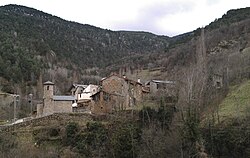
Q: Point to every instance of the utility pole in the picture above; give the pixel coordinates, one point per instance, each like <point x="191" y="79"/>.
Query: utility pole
<point x="15" y="101"/>
<point x="31" y="103"/>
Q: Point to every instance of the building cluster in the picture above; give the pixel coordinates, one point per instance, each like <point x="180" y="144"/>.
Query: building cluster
<point x="113" y="93"/>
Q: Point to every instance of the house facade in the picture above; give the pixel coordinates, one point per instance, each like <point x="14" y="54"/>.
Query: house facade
<point x="160" y="85"/>
<point x="117" y="93"/>
<point x="84" y="98"/>
<point x="87" y="93"/>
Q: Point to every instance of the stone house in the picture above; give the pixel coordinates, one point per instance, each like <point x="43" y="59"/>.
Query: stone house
<point x="84" y="98"/>
<point x="102" y="103"/>
<point x="163" y="89"/>
<point x="75" y="89"/>
<point x="87" y="93"/>
<point x="117" y="93"/>
<point x="52" y="103"/>
<point x="160" y="85"/>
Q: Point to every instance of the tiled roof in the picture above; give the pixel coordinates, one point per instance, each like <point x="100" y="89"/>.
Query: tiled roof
<point x="63" y="98"/>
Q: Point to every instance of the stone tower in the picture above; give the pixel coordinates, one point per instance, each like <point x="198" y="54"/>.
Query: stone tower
<point x="48" y="92"/>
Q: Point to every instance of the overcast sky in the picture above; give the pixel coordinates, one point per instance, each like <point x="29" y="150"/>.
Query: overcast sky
<point x="162" y="17"/>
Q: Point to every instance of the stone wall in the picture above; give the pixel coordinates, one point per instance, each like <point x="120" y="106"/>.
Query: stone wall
<point x="57" y="118"/>
<point x="153" y="87"/>
<point x="39" y="108"/>
<point x="118" y="88"/>
<point x="102" y="107"/>
<point x="62" y="106"/>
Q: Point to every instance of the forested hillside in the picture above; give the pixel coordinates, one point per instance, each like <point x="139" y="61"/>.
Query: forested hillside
<point x="33" y="41"/>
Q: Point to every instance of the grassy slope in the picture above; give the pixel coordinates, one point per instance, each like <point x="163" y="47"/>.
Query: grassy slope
<point x="236" y="106"/>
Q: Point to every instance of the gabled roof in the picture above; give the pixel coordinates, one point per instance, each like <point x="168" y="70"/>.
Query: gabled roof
<point x="124" y="78"/>
<point x="63" y="98"/>
<point x="165" y="82"/>
<point x="160" y="81"/>
<point x="48" y="83"/>
<point x="80" y="85"/>
<point x="77" y="85"/>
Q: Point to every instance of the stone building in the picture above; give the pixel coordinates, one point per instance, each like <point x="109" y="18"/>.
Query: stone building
<point x="102" y="103"/>
<point x="117" y="93"/>
<point x="52" y="103"/>
<point x="76" y="89"/>
<point x="159" y="85"/>
<point x="83" y="98"/>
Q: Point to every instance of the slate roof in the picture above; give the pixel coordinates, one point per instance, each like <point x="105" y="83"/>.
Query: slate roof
<point x="63" y="98"/>
<point x="124" y="78"/>
<point x="74" y="86"/>
<point x="80" y="85"/>
<point x="48" y="83"/>
<point x="166" y="82"/>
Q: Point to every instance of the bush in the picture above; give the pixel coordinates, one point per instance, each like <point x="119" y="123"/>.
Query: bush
<point x="7" y="142"/>
<point x="93" y="138"/>
<point x="72" y="130"/>
<point x="162" y="116"/>
<point x="125" y="139"/>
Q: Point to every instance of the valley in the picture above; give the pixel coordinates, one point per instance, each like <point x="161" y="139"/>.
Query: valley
<point x="206" y="115"/>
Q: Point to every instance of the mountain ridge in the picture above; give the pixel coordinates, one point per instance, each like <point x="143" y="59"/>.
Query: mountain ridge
<point x="45" y="34"/>
<point x="35" y="44"/>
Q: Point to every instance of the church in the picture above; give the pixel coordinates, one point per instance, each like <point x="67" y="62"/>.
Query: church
<point x="53" y="103"/>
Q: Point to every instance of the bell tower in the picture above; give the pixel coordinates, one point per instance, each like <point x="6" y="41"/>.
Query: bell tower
<point x="48" y="92"/>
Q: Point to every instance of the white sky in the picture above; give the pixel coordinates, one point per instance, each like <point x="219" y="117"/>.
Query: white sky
<point x="162" y="17"/>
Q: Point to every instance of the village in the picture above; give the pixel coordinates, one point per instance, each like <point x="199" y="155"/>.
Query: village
<point x="114" y="93"/>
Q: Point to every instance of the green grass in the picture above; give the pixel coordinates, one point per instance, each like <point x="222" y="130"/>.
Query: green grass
<point x="236" y="106"/>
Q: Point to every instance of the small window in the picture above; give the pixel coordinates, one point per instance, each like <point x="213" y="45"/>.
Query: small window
<point x="218" y="84"/>
<point x="106" y="97"/>
<point x="47" y="87"/>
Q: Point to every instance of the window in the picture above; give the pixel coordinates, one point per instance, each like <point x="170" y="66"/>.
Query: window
<point x="47" y="88"/>
<point x="218" y="84"/>
<point x="106" y="97"/>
